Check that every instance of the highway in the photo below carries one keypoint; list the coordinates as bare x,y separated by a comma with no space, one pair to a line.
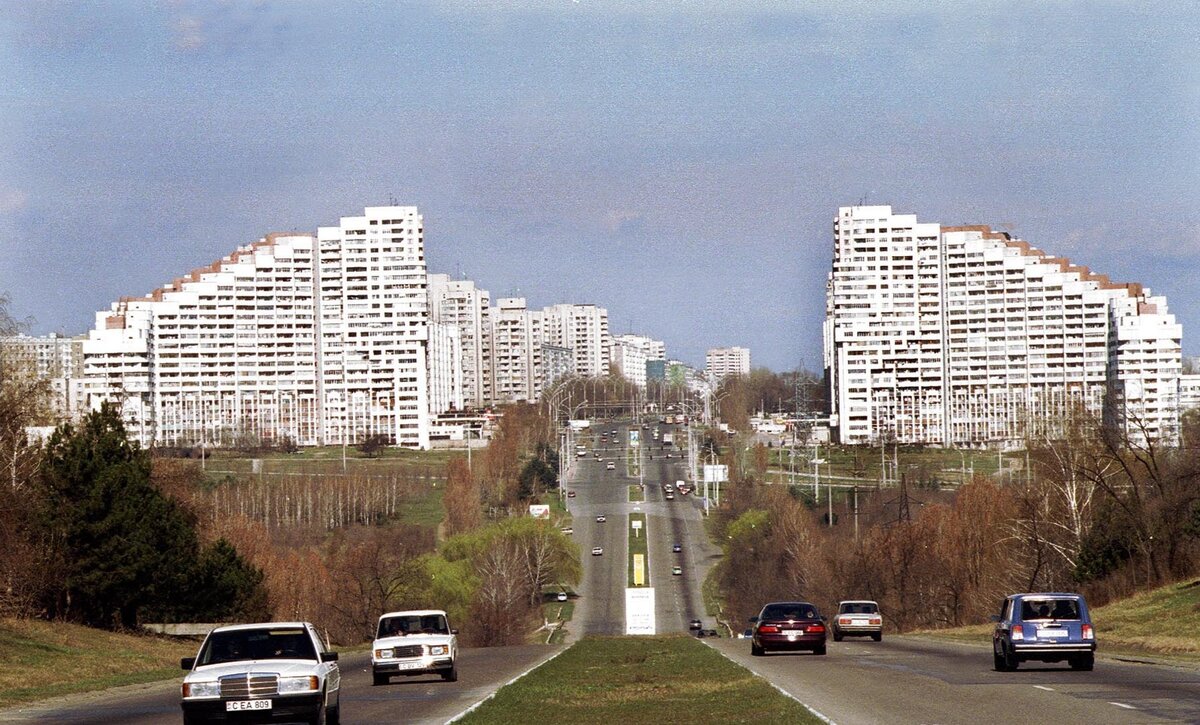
601,607
918,680
424,700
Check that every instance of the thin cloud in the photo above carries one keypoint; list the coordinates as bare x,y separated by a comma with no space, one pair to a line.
12,200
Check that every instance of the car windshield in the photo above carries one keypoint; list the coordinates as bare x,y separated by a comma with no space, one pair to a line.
859,608
412,624
290,643
791,610
1049,609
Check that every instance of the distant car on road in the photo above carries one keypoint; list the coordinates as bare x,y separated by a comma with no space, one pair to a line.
670,497
601,519
414,642
571,494
788,626
676,548
695,624
858,618
676,570
277,670
610,465
597,550
567,530
562,596
1047,627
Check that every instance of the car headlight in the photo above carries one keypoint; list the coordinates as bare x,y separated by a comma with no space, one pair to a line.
382,654
298,684
201,689
437,649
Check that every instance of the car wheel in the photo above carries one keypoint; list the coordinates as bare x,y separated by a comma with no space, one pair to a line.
837,636
378,679
998,662
191,718
451,675
878,636
819,650
757,651
320,717
1011,663
334,715
1083,662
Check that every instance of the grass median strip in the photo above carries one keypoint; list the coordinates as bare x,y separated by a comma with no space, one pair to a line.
635,494
640,679
638,552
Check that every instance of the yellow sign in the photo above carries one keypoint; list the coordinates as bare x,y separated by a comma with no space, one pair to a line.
639,570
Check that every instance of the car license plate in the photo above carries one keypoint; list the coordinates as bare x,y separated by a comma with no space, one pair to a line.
791,635
410,665
240,705
1052,633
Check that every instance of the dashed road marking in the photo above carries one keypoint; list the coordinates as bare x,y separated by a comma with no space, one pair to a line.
1043,687
1121,704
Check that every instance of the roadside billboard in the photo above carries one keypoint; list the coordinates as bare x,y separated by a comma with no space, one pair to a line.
639,610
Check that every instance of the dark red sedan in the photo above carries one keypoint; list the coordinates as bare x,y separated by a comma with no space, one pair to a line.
788,626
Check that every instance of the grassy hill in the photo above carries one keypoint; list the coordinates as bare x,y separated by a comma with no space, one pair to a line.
41,659
1163,622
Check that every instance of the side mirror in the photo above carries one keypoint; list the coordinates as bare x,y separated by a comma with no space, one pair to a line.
329,656
187,663
454,631
752,620
994,618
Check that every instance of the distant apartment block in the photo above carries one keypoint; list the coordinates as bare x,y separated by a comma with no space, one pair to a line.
517,342
1189,392
721,362
631,353
461,304
56,359
584,330
964,336
321,338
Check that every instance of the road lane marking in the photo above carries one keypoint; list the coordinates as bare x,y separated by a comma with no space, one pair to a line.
1043,687
817,713
1121,704
472,708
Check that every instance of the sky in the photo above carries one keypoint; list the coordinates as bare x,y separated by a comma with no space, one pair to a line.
679,163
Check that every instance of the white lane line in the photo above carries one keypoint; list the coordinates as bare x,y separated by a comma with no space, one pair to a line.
1121,704
1043,687
472,708
819,715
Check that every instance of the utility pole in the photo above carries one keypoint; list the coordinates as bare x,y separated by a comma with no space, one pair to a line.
856,512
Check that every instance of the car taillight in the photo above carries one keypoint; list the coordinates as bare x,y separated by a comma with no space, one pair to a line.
768,629
1018,632
815,628
876,620
1087,632
844,620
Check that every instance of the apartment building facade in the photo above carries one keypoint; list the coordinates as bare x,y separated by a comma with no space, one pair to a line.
583,328
630,353
721,362
462,304
964,336
320,338
54,358
516,351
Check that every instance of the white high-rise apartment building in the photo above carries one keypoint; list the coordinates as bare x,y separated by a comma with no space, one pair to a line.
583,329
516,346
319,338
462,304
630,354
965,336
721,362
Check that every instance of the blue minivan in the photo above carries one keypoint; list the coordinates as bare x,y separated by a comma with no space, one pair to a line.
1046,627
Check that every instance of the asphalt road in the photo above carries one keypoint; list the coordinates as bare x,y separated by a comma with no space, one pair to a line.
411,700
915,680
678,599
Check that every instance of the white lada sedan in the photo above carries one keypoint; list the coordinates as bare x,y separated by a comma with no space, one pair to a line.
415,642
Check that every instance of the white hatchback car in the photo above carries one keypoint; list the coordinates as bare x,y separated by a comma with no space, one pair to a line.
414,642
281,670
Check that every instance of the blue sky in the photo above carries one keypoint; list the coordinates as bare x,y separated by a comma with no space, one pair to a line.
679,163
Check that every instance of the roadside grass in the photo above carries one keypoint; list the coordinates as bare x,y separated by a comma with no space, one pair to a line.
1163,622
426,510
40,659
606,680
638,545
635,494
